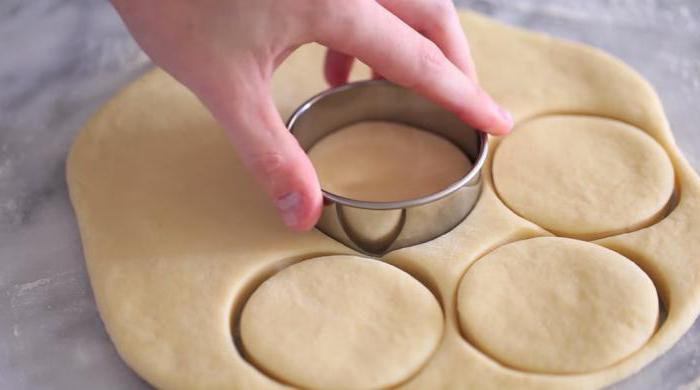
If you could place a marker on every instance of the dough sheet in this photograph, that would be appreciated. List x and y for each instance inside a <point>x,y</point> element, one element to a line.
<point>177,239</point>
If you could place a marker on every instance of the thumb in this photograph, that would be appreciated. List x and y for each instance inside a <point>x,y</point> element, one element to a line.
<point>269,151</point>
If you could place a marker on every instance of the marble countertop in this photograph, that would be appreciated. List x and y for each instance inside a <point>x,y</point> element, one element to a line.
<point>61,59</point>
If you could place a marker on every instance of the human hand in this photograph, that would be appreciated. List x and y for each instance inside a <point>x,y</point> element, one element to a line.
<point>226,51</point>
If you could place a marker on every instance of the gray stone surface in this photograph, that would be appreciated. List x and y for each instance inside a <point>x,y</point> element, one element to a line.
<point>61,59</point>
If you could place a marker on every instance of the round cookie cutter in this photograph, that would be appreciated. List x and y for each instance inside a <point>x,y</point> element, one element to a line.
<point>378,227</point>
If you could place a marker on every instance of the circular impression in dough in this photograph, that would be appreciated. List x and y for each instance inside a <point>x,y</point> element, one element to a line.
<point>583,177</point>
<point>557,305</point>
<point>341,322</point>
<point>384,161</point>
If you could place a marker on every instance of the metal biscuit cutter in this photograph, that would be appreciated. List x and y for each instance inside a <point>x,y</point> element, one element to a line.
<point>375,228</point>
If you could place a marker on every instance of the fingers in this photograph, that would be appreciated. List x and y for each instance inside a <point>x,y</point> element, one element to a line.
<point>268,150</point>
<point>439,22</point>
<point>337,67</point>
<point>399,53</point>
<point>435,19</point>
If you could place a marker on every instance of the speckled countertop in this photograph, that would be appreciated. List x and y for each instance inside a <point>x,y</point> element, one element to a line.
<point>61,59</point>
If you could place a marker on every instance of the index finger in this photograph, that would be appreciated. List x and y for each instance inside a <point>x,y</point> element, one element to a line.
<point>380,39</point>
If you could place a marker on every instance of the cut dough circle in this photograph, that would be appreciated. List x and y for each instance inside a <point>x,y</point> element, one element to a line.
<point>398,162</point>
<point>583,177</point>
<point>341,322</point>
<point>557,305</point>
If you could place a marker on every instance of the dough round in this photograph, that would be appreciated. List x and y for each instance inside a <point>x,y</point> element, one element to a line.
<point>557,305</point>
<point>384,161</point>
<point>341,322</point>
<point>583,177</point>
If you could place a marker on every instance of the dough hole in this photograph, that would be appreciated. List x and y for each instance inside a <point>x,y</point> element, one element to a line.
<point>584,177</point>
<point>557,306</point>
<point>341,322</point>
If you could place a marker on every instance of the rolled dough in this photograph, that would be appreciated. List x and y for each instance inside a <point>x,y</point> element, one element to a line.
<point>556,305</point>
<point>176,235</point>
<point>583,177</point>
<point>319,324</point>
<point>384,161</point>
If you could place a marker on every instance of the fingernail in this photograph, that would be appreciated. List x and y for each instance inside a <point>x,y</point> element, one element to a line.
<point>289,205</point>
<point>507,116</point>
